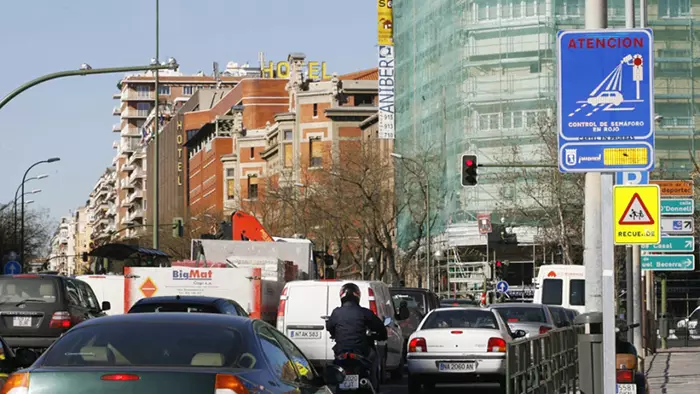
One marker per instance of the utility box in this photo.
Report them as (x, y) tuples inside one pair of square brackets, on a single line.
[(665, 321), (590, 353)]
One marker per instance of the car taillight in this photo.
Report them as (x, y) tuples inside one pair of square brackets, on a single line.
[(372, 302), (625, 376), (17, 383), (60, 320), (283, 303), (544, 329), (229, 384), (497, 345), (417, 345), (120, 377)]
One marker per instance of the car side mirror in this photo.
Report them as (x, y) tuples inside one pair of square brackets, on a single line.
[(519, 334), (388, 321), (106, 306), (334, 375), (24, 358)]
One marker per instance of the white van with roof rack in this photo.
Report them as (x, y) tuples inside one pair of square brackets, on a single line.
[(561, 285)]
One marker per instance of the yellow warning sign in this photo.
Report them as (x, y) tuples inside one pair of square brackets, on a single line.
[(637, 212)]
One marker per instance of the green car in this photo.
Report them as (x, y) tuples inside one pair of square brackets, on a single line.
[(172, 353)]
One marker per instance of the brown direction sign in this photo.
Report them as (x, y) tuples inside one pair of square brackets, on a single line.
[(675, 188)]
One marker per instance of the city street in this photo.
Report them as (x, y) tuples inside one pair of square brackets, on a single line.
[(402, 388)]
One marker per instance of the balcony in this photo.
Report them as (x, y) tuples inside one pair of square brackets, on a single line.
[(137, 174), (126, 203), (124, 184), (678, 123), (133, 95), (136, 213), (134, 113), (117, 111), (138, 155), (117, 128), (132, 132), (136, 195), (117, 96), (128, 168), (129, 146)]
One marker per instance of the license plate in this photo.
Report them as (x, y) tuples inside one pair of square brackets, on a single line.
[(457, 367), (22, 321), (626, 389), (305, 334), (350, 382)]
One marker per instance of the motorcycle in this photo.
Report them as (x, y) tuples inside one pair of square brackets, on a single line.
[(358, 370), (628, 377)]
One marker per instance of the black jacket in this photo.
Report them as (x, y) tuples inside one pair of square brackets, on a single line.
[(348, 325)]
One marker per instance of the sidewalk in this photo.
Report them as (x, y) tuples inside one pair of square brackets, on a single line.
[(674, 371)]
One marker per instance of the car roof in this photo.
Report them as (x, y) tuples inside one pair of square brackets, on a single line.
[(463, 308), (171, 318), (183, 299), (518, 305)]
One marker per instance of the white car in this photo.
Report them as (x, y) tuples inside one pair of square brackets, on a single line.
[(458, 345), (608, 97)]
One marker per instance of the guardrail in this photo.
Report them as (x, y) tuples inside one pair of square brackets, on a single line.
[(543, 364)]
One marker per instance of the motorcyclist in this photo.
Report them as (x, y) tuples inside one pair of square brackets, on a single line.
[(348, 325)]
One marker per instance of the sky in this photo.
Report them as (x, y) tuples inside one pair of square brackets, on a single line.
[(71, 118)]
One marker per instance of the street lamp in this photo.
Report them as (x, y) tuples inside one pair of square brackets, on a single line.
[(14, 213), (427, 214), (24, 180)]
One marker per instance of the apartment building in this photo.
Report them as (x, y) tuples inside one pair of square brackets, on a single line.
[(61, 257), (136, 109), (83, 232), (102, 208)]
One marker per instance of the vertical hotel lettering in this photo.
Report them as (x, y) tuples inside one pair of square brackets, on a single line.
[(387, 90), (180, 141)]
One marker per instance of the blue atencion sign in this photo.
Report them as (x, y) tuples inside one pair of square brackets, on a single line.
[(606, 100)]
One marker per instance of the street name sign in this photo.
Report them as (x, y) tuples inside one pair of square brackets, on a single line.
[(668, 262), (677, 226), (636, 211), (606, 101), (675, 188), (678, 206), (632, 178), (670, 243)]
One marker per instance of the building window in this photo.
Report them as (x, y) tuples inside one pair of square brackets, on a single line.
[(315, 152), (674, 8), (230, 189), (252, 187), (252, 153), (188, 90), (288, 158), (364, 100), (142, 109), (288, 135), (164, 90), (143, 91), (230, 173), (315, 113)]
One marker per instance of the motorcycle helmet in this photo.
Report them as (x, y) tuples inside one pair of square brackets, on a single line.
[(350, 292)]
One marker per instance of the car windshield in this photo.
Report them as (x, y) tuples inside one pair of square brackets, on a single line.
[(461, 319), (522, 314), (40, 290), (152, 344), (412, 299), (173, 307)]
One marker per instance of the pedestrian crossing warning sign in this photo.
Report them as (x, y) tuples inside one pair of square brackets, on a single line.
[(636, 210)]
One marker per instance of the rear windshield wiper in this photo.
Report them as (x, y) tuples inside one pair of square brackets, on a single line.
[(30, 300)]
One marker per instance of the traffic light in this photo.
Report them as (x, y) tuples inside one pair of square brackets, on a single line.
[(499, 269), (469, 166), (178, 227)]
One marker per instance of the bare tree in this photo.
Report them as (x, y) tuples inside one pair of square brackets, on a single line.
[(37, 232), (543, 195)]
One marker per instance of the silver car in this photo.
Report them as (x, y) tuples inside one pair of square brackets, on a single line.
[(534, 319)]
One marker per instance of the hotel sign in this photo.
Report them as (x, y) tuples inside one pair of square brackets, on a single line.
[(314, 70), (180, 142)]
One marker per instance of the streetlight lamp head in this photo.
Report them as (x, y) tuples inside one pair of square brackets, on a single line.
[(396, 156), (29, 202), (53, 159), (85, 67), (154, 62), (35, 191), (173, 63), (42, 176)]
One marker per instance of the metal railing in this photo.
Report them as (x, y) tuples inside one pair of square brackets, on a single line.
[(544, 364)]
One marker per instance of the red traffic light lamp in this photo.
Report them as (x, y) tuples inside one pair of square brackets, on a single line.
[(469, 166)]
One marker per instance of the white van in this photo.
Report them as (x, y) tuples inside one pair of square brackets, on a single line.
[(107, 288), (562, 285), (304, 305)]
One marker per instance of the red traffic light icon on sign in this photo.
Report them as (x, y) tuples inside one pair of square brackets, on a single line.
[(469, 175)]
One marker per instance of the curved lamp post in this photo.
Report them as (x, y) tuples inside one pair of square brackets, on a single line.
[(15, 233), (24, 180)]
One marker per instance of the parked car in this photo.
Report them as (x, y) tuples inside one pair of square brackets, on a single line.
[(561, 316), (37, 309), (572, 314), (533, 319), (305, 304), (190, 304), (419, 302), (457, 345), (174, 353)]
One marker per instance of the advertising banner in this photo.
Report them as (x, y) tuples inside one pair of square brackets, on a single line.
[(387, 92), (385, 22)]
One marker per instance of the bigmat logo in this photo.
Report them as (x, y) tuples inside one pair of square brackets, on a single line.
[(193, 274)]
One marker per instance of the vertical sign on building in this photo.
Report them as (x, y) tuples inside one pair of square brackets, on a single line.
[(386, 69)]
